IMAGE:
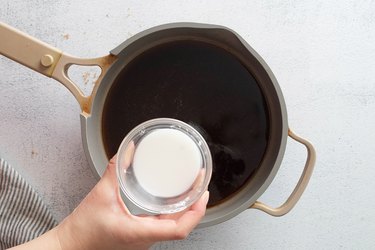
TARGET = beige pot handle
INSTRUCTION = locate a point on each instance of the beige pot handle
(49, 61)
(301, 185)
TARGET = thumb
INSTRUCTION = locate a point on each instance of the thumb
(125, 160)
(110, 172)
(110, 183)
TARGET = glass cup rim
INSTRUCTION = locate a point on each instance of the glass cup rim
(172, 124)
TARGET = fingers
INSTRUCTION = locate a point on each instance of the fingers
(162, 228)
(188, 221)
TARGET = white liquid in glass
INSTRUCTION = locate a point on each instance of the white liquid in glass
(166, 162)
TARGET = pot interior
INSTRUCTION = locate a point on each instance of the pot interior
(205, 86)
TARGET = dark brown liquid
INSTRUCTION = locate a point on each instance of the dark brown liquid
(205, 86)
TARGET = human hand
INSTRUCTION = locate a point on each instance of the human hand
(102, 221)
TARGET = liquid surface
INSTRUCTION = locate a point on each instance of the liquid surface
(166, 162)
(204, 86)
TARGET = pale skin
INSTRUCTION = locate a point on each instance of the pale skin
(102, 221)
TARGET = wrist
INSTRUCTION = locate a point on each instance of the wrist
(67, 236)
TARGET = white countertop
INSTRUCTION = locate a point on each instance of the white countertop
(323, 55)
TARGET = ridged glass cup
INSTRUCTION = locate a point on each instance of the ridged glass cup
(142, 161)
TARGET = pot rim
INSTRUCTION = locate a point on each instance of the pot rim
(227, 209)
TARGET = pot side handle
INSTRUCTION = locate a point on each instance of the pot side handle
(49, 61)
(301, 185)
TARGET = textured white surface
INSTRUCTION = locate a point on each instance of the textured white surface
(322, 53)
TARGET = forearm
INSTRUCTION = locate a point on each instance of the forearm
(58, 238)
(48, 241)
